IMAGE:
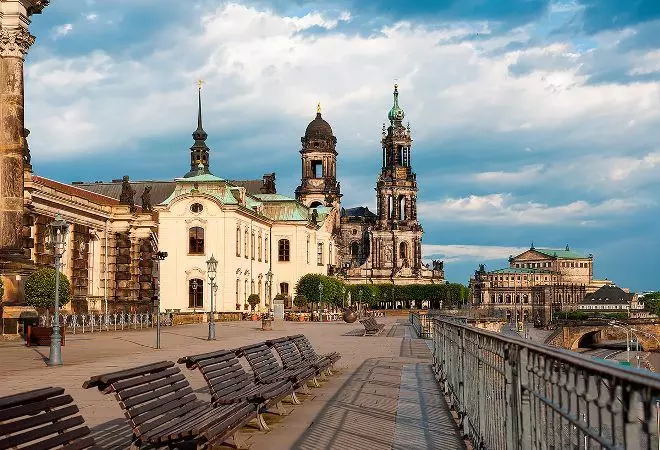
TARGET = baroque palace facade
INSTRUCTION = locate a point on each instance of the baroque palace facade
(537, 283)
(264, 241)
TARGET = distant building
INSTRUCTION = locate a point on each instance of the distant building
(610, 299)
(537, 283)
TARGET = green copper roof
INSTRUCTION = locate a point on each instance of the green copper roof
(204, 178)
(564, 254)
(396, 113)
(274, 197)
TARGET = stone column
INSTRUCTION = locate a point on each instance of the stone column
(15, 40)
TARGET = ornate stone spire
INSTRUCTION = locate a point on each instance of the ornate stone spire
(199, 152)
(396, 114)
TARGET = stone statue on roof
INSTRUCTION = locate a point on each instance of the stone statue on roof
(314, 218)
(127, 193)
(146, 199)
(268, 186)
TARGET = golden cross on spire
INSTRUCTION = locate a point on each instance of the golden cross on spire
(396, 83)
(318, 107)
(200, 83)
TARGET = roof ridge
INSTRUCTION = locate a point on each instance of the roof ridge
(76, 188)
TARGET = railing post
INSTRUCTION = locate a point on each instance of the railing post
(482, 392)
(525, 401)
(461, 384)
(511, 389)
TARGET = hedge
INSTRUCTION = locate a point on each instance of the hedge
(40, 288)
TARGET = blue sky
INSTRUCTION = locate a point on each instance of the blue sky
(533, 121)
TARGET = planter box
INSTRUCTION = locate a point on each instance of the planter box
(41, 335)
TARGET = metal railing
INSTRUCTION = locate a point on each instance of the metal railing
(90, 323)
(514, 394)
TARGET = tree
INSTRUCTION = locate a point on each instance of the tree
(40, 288)
(254, 300)
(300, 301)
(652, 302)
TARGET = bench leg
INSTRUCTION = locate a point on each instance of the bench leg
(293, 399)
(263, 426)
(239, 442)
(304, 389)
(279, 409)
(315, 383)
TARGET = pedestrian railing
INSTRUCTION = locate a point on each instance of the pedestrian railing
(515, 394)
(90, 323)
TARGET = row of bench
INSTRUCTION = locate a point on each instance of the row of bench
(371, 327)
(159, 402)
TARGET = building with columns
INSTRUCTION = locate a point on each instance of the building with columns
(537, 283)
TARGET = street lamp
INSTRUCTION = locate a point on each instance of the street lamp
(58, 230)
(320, 299)
(211, 266)
(343, 297)
(194, 288)
(158, 256)
(627, 338)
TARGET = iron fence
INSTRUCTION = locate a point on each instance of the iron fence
(90, 323)
(513, 394)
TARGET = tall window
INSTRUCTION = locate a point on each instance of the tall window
(251, 287)
(403, 250)
(307, 249)
(283, 250)
(245, 291)
(196, 241)
(284, 288)
(195, 293)
(245, 249)
(260, 246)
(238, 292)
(330, 253)
(259, 287)
(238, 241)
(252, 245)
(402, 207)
(355, 250)
(266, 250)
(319, 253)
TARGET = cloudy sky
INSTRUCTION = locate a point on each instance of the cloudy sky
(533, 121)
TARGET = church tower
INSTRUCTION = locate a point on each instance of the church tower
(199, 152)
(318, 184)
(399, 233)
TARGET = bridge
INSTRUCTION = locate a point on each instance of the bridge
(510, 393)
(576, 334)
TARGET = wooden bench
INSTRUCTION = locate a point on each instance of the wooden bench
(292, 359)
(41, 335)
(42, 419)
(266, 369)
(371, 327)
(162, 409)
(229, 383)
(309, 354)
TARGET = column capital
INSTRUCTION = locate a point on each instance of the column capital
(15, 42)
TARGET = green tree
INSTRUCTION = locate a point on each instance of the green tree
(40, 288)
(652, 302)
(253, 300)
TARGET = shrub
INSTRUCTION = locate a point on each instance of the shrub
(300, 301)
(40, 288)
(254, 300)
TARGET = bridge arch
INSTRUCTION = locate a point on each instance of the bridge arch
(588, 339)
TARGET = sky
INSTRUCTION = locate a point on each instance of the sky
(532, 121)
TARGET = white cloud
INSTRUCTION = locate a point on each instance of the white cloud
(62, 30)
(91, 17)
(259, 64)
(455, 253)
(526, 174)
(504, 209)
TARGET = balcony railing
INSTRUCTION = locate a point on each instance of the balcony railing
(515, 394)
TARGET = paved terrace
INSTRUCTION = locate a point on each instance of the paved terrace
(383, 395)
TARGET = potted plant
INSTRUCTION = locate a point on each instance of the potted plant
(254, 300)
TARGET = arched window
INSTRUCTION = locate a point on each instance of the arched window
(330, 253)
(315, 204)
(390, 207)
(283, 250)
(252, 249)
(284, 288)
(245, 244)
(266, 250)
(259, 287)
(238, 241)
(238, 293)
(403, 250)
(260, 246)
(307, 249)
(319, 253)
(196, 241)
(195, 293)
(251, 287)
(402, 207)
(355, 250)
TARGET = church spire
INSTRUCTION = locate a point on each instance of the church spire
(396, 114)
(199, 152)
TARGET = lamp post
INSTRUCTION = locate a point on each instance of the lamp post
(58, 229)
(343, 297)
(194, 288)
(320, 299)
(627, 339)
(158, 256)
(211, 265)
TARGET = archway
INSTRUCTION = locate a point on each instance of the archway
(315, 204)
(588, 339)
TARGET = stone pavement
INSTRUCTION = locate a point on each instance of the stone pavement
(383, 394)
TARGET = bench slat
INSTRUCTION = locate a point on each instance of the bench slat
(33, 408)
(165, 387)
(34, 434)
(66, 438)
(39, 419)
(31, 396)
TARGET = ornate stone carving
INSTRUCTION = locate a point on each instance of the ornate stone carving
(15, 42)
(146, 199)
(268, 184)
(438, 265)
(26, 148)
(127, 193)
(37, 6)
